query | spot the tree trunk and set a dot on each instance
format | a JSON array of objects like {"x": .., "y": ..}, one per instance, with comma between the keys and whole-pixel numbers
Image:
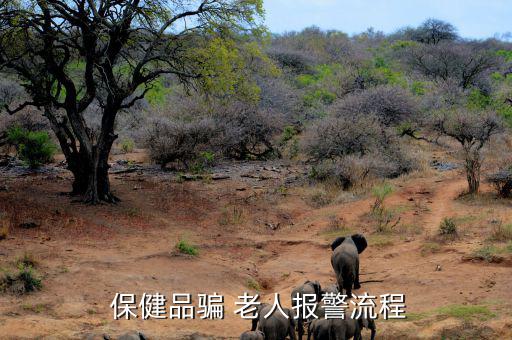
[
  {"x": 98, "y": 183},
  {"x": 473, "y": 172}
]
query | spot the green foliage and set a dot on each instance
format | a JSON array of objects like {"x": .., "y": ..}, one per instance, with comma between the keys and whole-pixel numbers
[
  {"x": 487, "y": 253},
  {"x": 448, "y": 227},
  {"x": 34, "y": 147},
  {"x": 380, "y": 192},
  {"x": 319, "y": 96},
  {"x": 157, "y": 95},
  {"x": 321, "y": 73},
  {"x": 391, "y": 77},
  {"x": 418, "y": 88},
  {"x": 184, "y": 247},
  {"x": 383, "y": 216},
  {"x": 227, "y": 68},
  {"x": 478, "y": 100},
  {"x": 23, "y": 281},
  {"x": 402, "y": 44},
  {"x": 205, "y": 160},
  {"x": 288, "y": 133},
  {"x": 127, "y": 145},
  {"x": 465, "y": 311},
  {"x": 506, "y": 54}
]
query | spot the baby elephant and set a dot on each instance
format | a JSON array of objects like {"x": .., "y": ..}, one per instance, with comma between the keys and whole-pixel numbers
[
  {"x": 310, "y": 288},
  {"x": 339, "y": 329},
  {"x": 276, "y": 326},
  {"x": 252, "y": 335},
  {"x": 345, "y": 261}
]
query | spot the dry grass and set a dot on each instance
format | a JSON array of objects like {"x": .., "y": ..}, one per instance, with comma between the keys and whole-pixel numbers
[{"x": 501, "y": 232}]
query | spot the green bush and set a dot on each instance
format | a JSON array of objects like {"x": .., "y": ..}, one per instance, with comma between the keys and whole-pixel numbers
[
  {"x": 127, "y": 145},
  {"x": 33, "y": 147},
  {"x": 448, "y": 227},
  {"x": 23, "y": 281},
  {"x": 185, "y": 247}
]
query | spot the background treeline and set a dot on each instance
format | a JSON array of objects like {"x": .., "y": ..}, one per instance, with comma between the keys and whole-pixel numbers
[{"x": 348, "y": 105}]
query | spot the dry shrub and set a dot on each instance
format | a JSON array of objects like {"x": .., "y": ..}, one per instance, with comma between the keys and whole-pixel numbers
[
  {"x": 501, "y": 232},
  {"x": 236, "y": 130},
  {"x": 247, "y": 133},
  {"x": 352, "y": 152},
  {"x": 169, "y": 141},
  {"x": 392, "y": 105},
  {"x": 29, "y": 119}
]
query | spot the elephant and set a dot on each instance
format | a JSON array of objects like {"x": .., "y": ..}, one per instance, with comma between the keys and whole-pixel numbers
[
  {"x": 319, "y": 329},
  {"x": 97, "y": 337},
  {"x": 252, "y": 335},
  {"x": 276, "y": 326},
  {"x": 308, "y": 287},
  {"x": 345, "y": 261},
  {"x": 133, "y": 336},
  {"x": 333, "y": 289},
  {"x": 341, "y": 329}
]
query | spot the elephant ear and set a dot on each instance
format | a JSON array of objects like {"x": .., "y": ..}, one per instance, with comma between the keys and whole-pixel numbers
[
  {"x": 360, "y": 242},
  {"x": 318, "y": 289},
  {"x": 337, "y": 242}
]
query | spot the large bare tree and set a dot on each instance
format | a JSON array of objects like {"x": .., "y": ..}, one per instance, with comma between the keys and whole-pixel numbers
[{"x": 73, "y": 54}]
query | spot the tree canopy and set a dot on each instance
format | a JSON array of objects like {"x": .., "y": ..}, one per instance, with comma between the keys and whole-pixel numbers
[{"x": 70, "y": 55}]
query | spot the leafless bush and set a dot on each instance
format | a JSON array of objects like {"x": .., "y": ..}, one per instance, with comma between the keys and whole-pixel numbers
[
  {"x": 465, "y": 62},
  {"x": 278, "y": 96},
  {"x": 296, "y": 61},
  {"x": 332, "y": 138},
  {"x": 390, "y": 104},
  {"x": 29, "y": 119},
  {"x": 444, "y": 94},
  {"x": 349, "y": 152},
  {"x": 247, "y": 133},
  {"x": 170, "y": 141}
]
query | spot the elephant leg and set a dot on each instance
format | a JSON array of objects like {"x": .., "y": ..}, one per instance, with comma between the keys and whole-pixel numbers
[
  {"x": 348, "y": 288},
  {"x": 291, "y": 332},
  {"x": 357, "y": 285},
  {"x": 339, "y": 281},
  {"x": 300, "y": 328}
]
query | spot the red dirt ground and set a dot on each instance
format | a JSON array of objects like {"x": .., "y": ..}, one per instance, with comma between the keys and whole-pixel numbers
[{"x": 86, "y": 254}]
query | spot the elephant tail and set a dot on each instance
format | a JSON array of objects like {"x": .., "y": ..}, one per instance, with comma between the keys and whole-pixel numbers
[{"x": 347, "y": 273}]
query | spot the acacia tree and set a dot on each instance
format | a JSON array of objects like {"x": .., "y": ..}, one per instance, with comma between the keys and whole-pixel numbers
[
  {"x": 432, "y": 31},
  {"x": 72, "y": 54},
  {"x": 472, "y": 130},
  {"x": 464, "y": 62}
]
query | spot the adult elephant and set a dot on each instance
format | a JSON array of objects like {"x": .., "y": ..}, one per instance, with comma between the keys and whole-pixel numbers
[
  {"x": 276, "y": 326},
  {"x": 345, "y": 261},
  {"x": 307, "y": 288},
  {"x": 341, "y": 329}
]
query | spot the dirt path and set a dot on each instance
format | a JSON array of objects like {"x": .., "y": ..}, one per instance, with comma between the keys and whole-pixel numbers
[{"x": 87, "y": 254}]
